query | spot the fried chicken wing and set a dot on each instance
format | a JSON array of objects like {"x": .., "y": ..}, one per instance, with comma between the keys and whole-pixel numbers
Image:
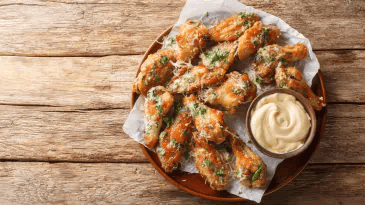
[
  {"x": 291, "y": 78},
  {"x": 270, "y": 57},
  {"x": 208, "y": 121},
  {"x": 220, "y": 56},
  {"x": 249, "y": 167},
  {"x": 233, "y": 27},
  {"x": 155, "y": 70},
  {"x": 256, "y": 37},
  {"x": 197, "y": 77},
  {"x": 174, "y": 141},
  {"x": 210, "y": 164},
  {"x": 236, "y": 90},
  {"x": 158, "y": 103},
  {"x": 191, "y": 40}
]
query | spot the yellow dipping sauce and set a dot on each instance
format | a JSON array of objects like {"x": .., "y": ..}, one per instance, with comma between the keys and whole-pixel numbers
[{"x": 280, "y": 123}]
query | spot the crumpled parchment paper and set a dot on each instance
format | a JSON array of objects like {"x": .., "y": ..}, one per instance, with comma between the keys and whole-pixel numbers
[{"x": 218, "y": 10}]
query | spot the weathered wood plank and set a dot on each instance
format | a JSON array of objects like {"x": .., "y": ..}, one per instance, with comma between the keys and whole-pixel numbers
[
  {"x": 52, "y": 134},
  {"x": 89, "y": 28},
  {"x": 68, "y": 183},
  {"x": 105, "y": 82}
]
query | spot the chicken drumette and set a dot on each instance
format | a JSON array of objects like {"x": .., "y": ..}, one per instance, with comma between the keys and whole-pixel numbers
[
  {"x": 155, "y": 70},
  {"x": 233, "y": 27},
  {"x": 256, "y": 37},
  {"x": 208, "y": 121},
  {"x": 249, "y": 167},
  {"x": 271, "y": 57},
  {"x": 236, "y": 90},
  {"x": 190, "y": 40},
  {"x": 220, "y": 56},
  {"x": 174, "y": 140},
  {"x": 209, "y": 162},
  {"x": 158, "y": 103},
  {"x": 292, "y": 78}
]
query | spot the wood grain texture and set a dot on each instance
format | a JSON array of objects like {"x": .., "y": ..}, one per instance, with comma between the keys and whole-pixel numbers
[
  {"x": 105, "y": 82},
  {"x": 73, "y": 183},
  {"x": 98, "y": 28},
  {"x": 57, "y": 134}
]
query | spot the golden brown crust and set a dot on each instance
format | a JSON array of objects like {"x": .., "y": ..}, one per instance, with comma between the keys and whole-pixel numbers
[
  {"x": 174, "y": 140},
  {"x": 191, "y": 40},
  {"x": 231, "y": 28},
  {"x": 211, "y": 166},
  {"x": 155, "y": 70},
  {"x": 236, "y": 90},
  {"x": 292, "y": 78}
]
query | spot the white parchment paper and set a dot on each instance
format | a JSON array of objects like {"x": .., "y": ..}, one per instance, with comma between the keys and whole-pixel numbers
[{"x": 218, "y": 10}]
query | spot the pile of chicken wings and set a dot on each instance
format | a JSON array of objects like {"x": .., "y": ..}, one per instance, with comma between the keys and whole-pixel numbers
[{"x": 185, "y": 104}]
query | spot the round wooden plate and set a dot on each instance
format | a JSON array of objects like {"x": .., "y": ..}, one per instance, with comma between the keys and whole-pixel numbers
[{"x": 285, "y": 172}]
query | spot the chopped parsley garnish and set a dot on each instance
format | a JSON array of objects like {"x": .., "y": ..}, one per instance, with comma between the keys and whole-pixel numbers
[
  {"x": 185, "y": 132},
  {"x": 220, "y": 173},
  {"x": 168, "y": 121},
  {"x": 159, "y": 109},
  {"x": 207, "y": 162},
  {"x": 259, "y": 81},
  {"x": 203, "y": 110},
  {"x": 177, "y": 107},
  {"x": 194, "y": 22},
  {"x": 157, "y": 78},
  {"x": 216, "y": 56},
  {"x": 164, "y": 134},
  {"x": 249, "y": 141},
  {"x": 189, "y": 79},
  {"x": 236, "y": 91},
  {"x": 146, "y": 83},
  {"x": 247, "y": 24},
  {"x": 268, "y": 60},
  {"x": 260, "y": 59},
  {"x": 176, "y": 144},
  {"x": 256, "y": 175},
  {"x": 150, "y": 72},
  {"x": 283, "y": 60},
  {"x": 225, "y": 111},
  {"x": 281, "y": 85},
  {"x": 206, "y": 14},
  {"x": 238, "y": 34},
  {"x": 244, "y": 14},
  {"x": 172, "y": 42},
  {"x": 255, "y": 43},
  {"x": 161, "y": 151},
  {"x": 164, "y": 60}
]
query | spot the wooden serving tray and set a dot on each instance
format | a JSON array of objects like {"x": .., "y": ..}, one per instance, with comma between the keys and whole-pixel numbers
[{"x": 285, "y": 172}]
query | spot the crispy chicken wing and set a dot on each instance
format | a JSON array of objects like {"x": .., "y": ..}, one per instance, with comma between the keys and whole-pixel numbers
[
  {"x": 250, "y": 169},
  {"x": 220, "y": 56},
  {"x": 210, "y": 164},
  {"x": 291, "y": 78},
  {"x": 233, "y": 27},
  {"x": 155, "y": 70},
  {"x": 208, "y": 121},
  {"x": 195, "y": 78},
  {"x": 191, "y": 40},
  {"x": 273, "y": 56},
  {"x": 158, "y": 103},
  {"x": 236, "y": 90},
  {"x": 256, "y": 37},
  {"x": 174, "y": 140}
]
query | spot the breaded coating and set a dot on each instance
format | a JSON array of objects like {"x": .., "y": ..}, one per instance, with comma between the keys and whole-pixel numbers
[
  {"x": 174, "y": 140},
  {"x": 249, "y": 167},
  {"x": 236, "y": 90},
  {"x": 256, "y": 37},
  {"x": 291, "y": 78},
  {"x": 208, "y": 121},
  {"x": 155, "y": 71},
  {"x": 158, "y": 103},
  {"x": 220, "y": 56},
  {"x": 231, "y": 28},
  {"x": 210, "y": 164},
  {"x": 271, "y": 57},
  {"x": 192, "y": 79},
  {"x": 191, "y": 40}
]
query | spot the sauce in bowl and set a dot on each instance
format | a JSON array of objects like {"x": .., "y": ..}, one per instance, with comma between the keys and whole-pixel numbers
[{"x": 279, "y": 123}]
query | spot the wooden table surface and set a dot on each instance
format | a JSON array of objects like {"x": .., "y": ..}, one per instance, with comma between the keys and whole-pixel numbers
[{"x": 67, "y": 68}]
